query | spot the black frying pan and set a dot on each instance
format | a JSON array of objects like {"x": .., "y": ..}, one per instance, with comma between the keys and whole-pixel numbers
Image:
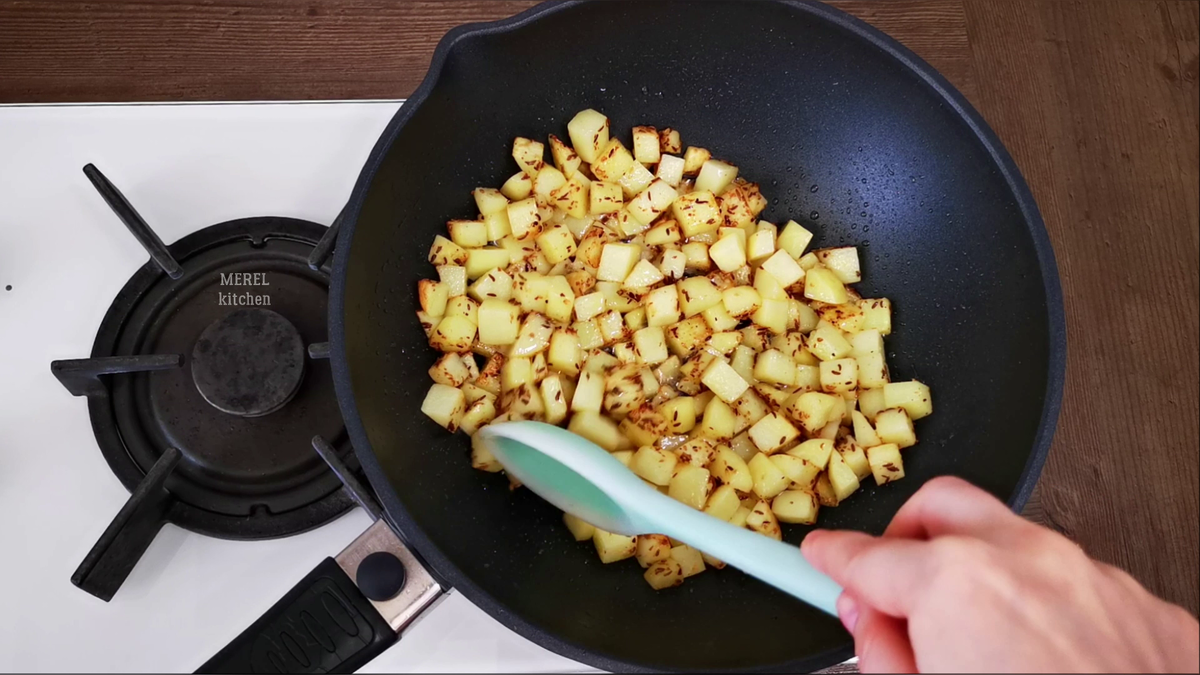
[{"x": 848, "y": 132}]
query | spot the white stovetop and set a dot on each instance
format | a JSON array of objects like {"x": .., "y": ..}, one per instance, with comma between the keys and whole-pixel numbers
[{"x": 66, "y": 255}]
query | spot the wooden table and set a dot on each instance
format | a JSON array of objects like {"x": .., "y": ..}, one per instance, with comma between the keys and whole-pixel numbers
[{"x": 1096, "y": 100}]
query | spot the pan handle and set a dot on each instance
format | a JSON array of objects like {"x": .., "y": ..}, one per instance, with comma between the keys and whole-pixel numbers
[{"x": 344, "y": 613}]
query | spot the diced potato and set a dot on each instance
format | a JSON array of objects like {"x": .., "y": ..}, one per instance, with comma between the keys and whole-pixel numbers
[
  {"x": 450, "y": 370},
  {"x": 553, "y": 399},
  {"x": 469, "y": 233},
  {"x": 433, "y": 296},
  {"x": 560, "y": 301},
  {"x": 775, "y": 397},
  {"x": 816, "y": 451},
  {"x": 863, "y": 431},
  {"x": 670, "y": 169},
  {"x": 664, "y": 574},
  {"x": 794, "y": 239},
  {"x": 870, "y": 402},
  {"x": 847, "y": 317},
  {"x": 580, "y": 529},
  {"x": 872, "y": 371},
  {"x": 796, "y": 506},
  {"x": 489, "y": 376},
  {"x": 473, "y": 392},
  {"x": 604, "y": 198},
  {"x": 478, "y": 414},
  {"x": 839, "y": 375},
  {"x": 613, "y": 547},
  {"x": 662, "y": 306},
  {"x": 775, "y": 367},
  {"x": 565, "y": 159},
  {"x": 768, "y": 286},
  {"x": 723, "y": 502},
  {"x": 729, "y": 253},
  {"x": 824, "y": 490},
  {"x": 823, "y": 285},
  {"x": 496, "y": 284},
  {"x": 762, "y": 520},
  {"x": 635, "y": 179},
  {"x": 652, "y": 548},
  {"x": 515, "y": 372},
  {"x": 612, "y": 327},
  {"x": 736, "y": 208},
  {"x": 854, "y": 455},
  {"x": 689, "y": 559},
  {"x": 743, "y": 362},
  {"x": 773, "y": 433},
  {"x": 651, "y": 345},
  {"x": 643, "y": 275},
  {"x": 588, "y": 131},
  {"x": 597, "y": 428},
  {"x": 623, "y": 390},
  {"x": 697, "y": 294},
  {"x": 913, "y": 396},
  {"x": 761, "y": 245},
  {"x": 614, "y": 159},
  {"x": 445, "y": 405},
  {"x": 841, "y": 477},
  {"x": 740, "y": 516},
  {"x": 652, "y": 201},
  {"x": 654, "y": 465},
  {"x": 668, "y": 140},
  {"x": 533, "y": 336},
  {"x": 530, "y": 155},
  {"x": 453, "y": 334},
  {"x": 715, "y": 176},
  {"x": 482, "y": 457},
  {"x": 894, "y": 426},
  {"x": 517, "y": 187},
  {"x": 446, "y": 252},
  {"x": 696, "y": 253},
  {"x": 801, "y": 472},
  {"x": 524, "y": 219},
  {"x": 644, "y": 426},
  {"x": 828, "y": 343},
  {"x": 680, "y": 414},
  {"x": 802, "y": 317},
  {"x": 718, "y": 421},
  {"x": 600, "y": 362},
  {"x": 617, "y": 261},
  {"x": 464, "y": 307},
  {"x": 498, "y": 322},
  {"x": 646, "y": 147},
  {"x": 687, "y": 336},
  {"x": 813, "y": 410},
  {"x": 877, "y": 314},
  {"x": 581, "y": 281},
  {"x": 842, "y": 261},
  {"x": 557, "y": 244},
  {"x": 589, "y": 306},
  {"x": 690, "y": 485},
  {"x": 589, "y": 393},
  {"x": 784, "y": 268},
  {"x": 768, "y": 479},
  {"x": 694, "y": 159},
  {"x": 772, "y": 315},
  {"x": 697, "y": 213},
  {"x": 724, "y": 381},
  {"x": 866, "y": 342},
  {"x": 886, "y": 464},
  {"x": 726, "y": 341},
  {"x": 635, "y": 319}
]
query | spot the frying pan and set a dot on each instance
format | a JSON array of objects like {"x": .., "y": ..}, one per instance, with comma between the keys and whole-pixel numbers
[{"x": 847, "y": 132}]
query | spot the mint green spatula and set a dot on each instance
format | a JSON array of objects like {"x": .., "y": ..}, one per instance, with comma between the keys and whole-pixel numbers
[{"x": 582, "y": 479}]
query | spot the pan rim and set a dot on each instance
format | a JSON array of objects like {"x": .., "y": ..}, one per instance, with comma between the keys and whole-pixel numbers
[{"x": 440, "y": 565}]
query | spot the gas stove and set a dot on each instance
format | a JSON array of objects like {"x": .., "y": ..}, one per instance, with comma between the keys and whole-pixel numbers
[{"x": 196, "y": 436}]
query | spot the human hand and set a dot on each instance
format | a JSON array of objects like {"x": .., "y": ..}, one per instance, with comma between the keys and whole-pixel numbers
[{"x": 958, "y": 583}]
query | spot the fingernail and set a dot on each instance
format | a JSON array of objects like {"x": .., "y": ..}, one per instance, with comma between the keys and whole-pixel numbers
[{"x": 847, "y": 608}]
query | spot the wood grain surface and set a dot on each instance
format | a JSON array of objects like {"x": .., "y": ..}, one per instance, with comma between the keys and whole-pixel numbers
[{"x": 1096, "y": 100}]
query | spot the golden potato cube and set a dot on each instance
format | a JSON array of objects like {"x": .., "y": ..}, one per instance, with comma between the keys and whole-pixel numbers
[
  {"x": 553, "y": 399},
  {"x": 652, "y": 548},
  {"x": 557, "y": 244},
  {"x": 841, "y": 477},
  {"x": 613, "y": 547},
  {"x": 842, "y": 261},
  {"x": 796, "y": 506},
  {"x": 597, "y": 428},
  {"x": 718, "y": 422},
  {"x": 823, "y": 285},
  {"x": 651, "y": 345},
  {"x": 482, "y": 457},
  {"x": 654, "y": 464},
  {"x": 847, "y": 317},
  {"x": 772, "y": 315},
  {"x": 589, "y": 306},
  {"x": 446, "y": 252},
  {"x": 468, "y": 233},
  {"x": 489, "y": 376},
  {"x": 480, "y": 261},
  {"x": 514, "y": 372},
  {"x": 495, "y": 284},
  {"x": 635, "y": 179},
  {"x": 613, "y": 161},
  {"x": 529, "y": 154},
  {"x": 877, "y": 314},
  {"x": 749, "y": 408},
  {"x": 646, "y": 148},
  {"x": 872, "y": 371},
  {"x": 801, "y": 317},
  {"x": 774, "y": 397},
  {"x": 800, "y": 472},
  {"x": 690, "y": 485},
  {"x": 450, "y": 370},
  {"x": 580, "y": 529},
  {"x": 740, "y": 516},
  {"x": 729, "y": 253},
  {"x": 784, "y": 268},
  {"x": 564, "y": 354},
  {"x": 870, "y": 402},
  {"x": 644, "y": 426},
  {"x": 694, "y": 159},
  {"x": 605, "y": 198},
  {"x": 652, "y": 201},
  {"x": 724, "y": 381},
  {"x": 524, "y": 219},
  {"x": 670, "y": 169},
  {"x": 680, "y": 414},
  {"x": 894, "y": 426},
  {"x": 433, "y": 296},
  {"x": 815, "y": 451},
  {"x": 546, "y": 186},
  {"x": 617, "y": 261},
  {"x": 768, "y": 479},
  {"x": 689, "y": 559},
  {"x": 808, "y": 261},
  {"x": 533, "y": 336},
  {"x": 668, "y": 140},
  {"x": 635, "y": 319},
  {"x": 813, "y": 410},
  {"x": 723, "y": 502},
  {"x": 696, "y": 253},
  {"x": 866, "y": 342},
  {"x": 560, "y": 304},
  {"x": 824, "y": 491},
  {"x": 864, "y": 432},
  {"x": 581, "y": 282},
  {"x": 743, "y": 362},
  {"x": 715, "y": 176},
  {"x": 588, "y": 131},
  {"x": 565, "y": 159},
  {"x": 445, "y": 405},
  {"x": 589, "y": 392},
  {"x": 854, "y": 455},
  {"x": 623, "y": 390},
  {"x": 498, "y": 322},
  {"x": 886, "y": 464},
  {"x": 478, "y": 414},
  {"x": 828, "y": 343},
  {"x": 839, "y": 375},
  {"x": 697, "y": 294},
  {"x": 623, "y": 456},
  {"x": 612, "y": 327},
  {"x": 517, "y": 187},
  {"x": 773, "y": 433},
  {"x": 572, "y": 198},
  {"x": 794, "y": 239},
  {"x": 697, "y": 213},
  {"x": 643, "y": 275},
  {"x": 741, "y": 301},
  {"x": 664, "y": 574},
  {"x": 913, "y": 396},
  {"x": 762, "y": 520},
  {"x": 687, "y": 336},
  {"x": 775, "y": 367},
  {"x": 453, "y": 334},
  {"x": 725, "y": 341}
]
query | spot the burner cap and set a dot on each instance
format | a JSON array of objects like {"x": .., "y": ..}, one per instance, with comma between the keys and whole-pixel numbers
[{"x": 248, "y": 363}]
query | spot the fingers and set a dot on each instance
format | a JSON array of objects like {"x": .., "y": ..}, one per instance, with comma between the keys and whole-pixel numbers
[
  {"x": 887, "y": 574},
  {"x": 880, "y": 641},
  {"x": 951, "y": 506}
]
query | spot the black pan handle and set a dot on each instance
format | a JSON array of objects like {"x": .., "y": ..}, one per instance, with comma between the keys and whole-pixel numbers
[{"x": 344, "y": 613}]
